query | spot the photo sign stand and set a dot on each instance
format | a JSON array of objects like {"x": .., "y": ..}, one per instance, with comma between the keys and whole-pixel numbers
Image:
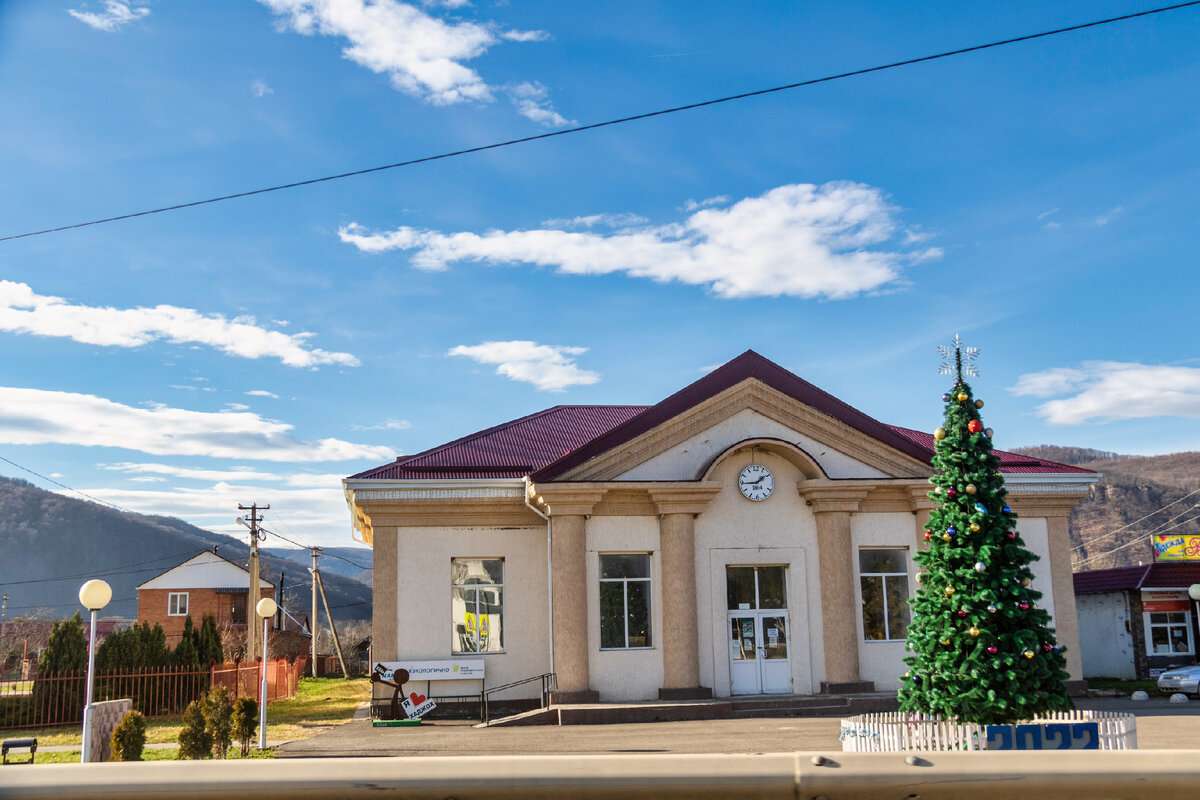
[{"x": 414, "y": 706}]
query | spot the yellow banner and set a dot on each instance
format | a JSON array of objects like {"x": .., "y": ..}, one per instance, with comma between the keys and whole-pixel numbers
[{"x": 1176, "y": 548}]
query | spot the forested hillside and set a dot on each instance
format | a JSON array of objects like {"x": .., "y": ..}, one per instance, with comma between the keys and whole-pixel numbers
[
  {"x": 50, "y": 544},
  {"x": 1137, "y": 496}
]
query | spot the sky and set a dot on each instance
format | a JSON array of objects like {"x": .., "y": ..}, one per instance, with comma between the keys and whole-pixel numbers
[{"x": 1038, "y": 199}]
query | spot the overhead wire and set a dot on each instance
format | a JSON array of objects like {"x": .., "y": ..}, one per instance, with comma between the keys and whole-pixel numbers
[
  {"x": 611, "y": 122},
  {"x": 1135, "y": 522},
  {"x": 76, "y": 491},
  {"x": 1141, "y": 538}
]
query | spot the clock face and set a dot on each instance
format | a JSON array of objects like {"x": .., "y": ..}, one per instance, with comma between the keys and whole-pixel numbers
[{"x": 756, "y": 482}]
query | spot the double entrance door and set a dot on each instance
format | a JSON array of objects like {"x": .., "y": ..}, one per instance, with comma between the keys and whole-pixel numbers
[{"x": 758, "y": 630}]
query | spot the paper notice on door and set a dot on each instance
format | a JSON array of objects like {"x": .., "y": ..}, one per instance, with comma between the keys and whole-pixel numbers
[{"x": 773, "y": 636}]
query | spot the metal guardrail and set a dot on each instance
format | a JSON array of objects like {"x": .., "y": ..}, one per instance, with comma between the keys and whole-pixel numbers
[
  {"x": 549, "y": 684},
  {"x": 1071, "y": 775}
]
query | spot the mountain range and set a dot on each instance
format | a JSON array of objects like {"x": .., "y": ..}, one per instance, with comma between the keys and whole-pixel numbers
[
  {"x": 1136, "y": 497},
  {"x": 50, "y": 544}
]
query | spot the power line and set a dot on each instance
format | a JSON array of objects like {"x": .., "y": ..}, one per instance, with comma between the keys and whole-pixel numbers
[
  {"x": 123, "y": 570},
  {"x": 76, "y": 491},
  {"x": 607, "y": 123},
  {"x": 1135, "y": 522},
  {"x": 1146, "y": 536}
]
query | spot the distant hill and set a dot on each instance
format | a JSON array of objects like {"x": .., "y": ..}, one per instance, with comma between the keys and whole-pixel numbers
[
  {"x": 51, "y": 544},
  {"x": 1145, "y": 493}
]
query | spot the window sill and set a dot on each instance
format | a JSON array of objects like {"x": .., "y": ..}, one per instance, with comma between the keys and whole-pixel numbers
[{"x": 625, "y": 649}]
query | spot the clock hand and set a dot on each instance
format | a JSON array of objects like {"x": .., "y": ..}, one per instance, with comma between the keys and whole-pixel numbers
[{"x": 751, "y": 483}]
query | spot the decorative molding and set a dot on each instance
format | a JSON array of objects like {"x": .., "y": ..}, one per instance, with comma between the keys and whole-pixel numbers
[
  {"x": 825, "y": 495},
  {"x": 684, "y": 499},
  {"x": 754, "y": 395},
  {"x": 567, "y": 499},
  {"x": 458, "y": 493}
]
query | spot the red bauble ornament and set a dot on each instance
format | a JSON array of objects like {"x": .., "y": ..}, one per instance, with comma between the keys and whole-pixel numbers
[
  {"x": 962, "y": 612},
  {"x": 927, "y": 536},
  {"x": 974, "y": 426},
  {"x": 993, "y": 649},
  {"x": 952, "y": 492},
  {"x": 1024, "y": 606}
]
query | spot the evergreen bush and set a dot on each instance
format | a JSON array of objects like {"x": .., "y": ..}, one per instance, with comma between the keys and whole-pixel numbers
[
  {"x": 245, "y": 722},
  {"x": 218, "y": 719},
  {"x": 195, "y": 741},
  {"x": 129, "y": 738}
]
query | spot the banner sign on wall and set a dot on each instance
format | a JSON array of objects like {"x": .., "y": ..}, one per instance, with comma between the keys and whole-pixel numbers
[
  {"x": 1176, "y": 548},
  {"x": 449, "y": 670}
]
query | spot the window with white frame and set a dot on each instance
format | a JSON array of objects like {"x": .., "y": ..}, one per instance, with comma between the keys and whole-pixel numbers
[
  {"x": 624, "y": 601},
  {"x": 477, "y": 605},
  {"x": 1168, "y": 633},
  {"x": 177, "y": 604},
  {"x": 883, "y": 582}
]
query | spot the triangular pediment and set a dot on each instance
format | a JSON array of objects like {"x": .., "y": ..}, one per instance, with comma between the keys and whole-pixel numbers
[
  {"x": 204, "y": 571},
  {"x": 748, "y": 398}
]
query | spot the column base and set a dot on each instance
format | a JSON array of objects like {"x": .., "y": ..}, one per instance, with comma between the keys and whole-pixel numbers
[
  {"x": 847, "y": 687},
  {"x": 1076, "y": 688},
  {"x": 691, "y": 693},
  {"x": 574, "y": 698}
]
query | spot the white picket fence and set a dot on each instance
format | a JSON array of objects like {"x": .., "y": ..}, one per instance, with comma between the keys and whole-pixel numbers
[{"x": 900, "y": 732}]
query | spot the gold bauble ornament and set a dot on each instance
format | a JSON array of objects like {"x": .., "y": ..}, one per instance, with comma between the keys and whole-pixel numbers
[
  {"x": 974, "y": 527},
  {"x": 962, "y": 397},
  {"x": 973, "y": 631},
  {"x": 946, "y": 537},
  {"x": 1025, "y": 581},
  {"x": 946, "y": 642},
  {"x": 971, "y": 488},
  {"x": 949, "y": 590},
  {"x": 939, "y": 434},
  {"x": 1029, "y": 654},
  {"x": 979, "y": 404}
]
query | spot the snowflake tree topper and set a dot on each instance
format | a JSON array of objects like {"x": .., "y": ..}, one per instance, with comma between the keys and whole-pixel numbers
[{"x": 958, "y": 360}]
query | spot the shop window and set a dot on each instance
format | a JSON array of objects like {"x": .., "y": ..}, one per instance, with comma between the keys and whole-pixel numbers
[
  {"x": 624, "y": 601},
  {"x": 177, "y": 604},
  {"x": 477, "y": 603},
  {"x": 1167, "y": 633},
  {"x": 883, "y": 581}
]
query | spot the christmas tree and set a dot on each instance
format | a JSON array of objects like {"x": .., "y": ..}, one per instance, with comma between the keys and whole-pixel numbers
[{"x": 980, "y": 649}]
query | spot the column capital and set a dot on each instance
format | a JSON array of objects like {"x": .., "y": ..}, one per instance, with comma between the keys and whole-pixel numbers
[
  {"x": 566, "y": 499},
  {"x": 684, "y": 499},
  {"x": 824, "y": 495},
  {"x": 918, "y": 498}
]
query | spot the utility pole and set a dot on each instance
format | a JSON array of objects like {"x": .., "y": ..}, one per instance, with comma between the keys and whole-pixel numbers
[
  {"x": 3, "y": 618},
  {"x": 313, "y": 625},
  {"x": 253, "y": 620}
]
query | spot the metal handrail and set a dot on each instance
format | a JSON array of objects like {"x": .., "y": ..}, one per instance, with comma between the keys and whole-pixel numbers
[{"x": 549, "y": 684}]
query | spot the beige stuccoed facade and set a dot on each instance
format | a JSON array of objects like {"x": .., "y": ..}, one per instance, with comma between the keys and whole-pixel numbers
[{"x": 672, "y": 493}]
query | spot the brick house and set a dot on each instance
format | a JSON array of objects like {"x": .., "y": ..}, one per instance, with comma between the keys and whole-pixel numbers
[{"x": 204, "y": 584}]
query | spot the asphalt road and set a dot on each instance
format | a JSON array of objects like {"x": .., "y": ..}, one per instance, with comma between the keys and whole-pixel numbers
[{"x": 1161, "y": 726}]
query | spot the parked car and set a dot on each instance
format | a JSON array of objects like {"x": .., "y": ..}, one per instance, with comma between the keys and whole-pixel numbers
[{"x": 1181, "y": 679}]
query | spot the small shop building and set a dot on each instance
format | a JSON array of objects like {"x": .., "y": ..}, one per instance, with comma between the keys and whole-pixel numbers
[
  {"x": 1137, "y": 622},
  {"x": 748, "y": 535}
]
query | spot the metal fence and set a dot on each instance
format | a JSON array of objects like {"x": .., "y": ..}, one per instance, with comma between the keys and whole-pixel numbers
[
  {"x": 58, "y": 699},
  {"x": 897, "y": 731}
]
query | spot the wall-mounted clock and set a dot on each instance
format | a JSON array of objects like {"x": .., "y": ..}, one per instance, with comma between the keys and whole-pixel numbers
[{"x": 756, "y": 482}]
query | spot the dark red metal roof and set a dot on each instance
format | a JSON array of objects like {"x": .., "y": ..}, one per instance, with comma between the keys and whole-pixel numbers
[
  {"x": 1014, "y": 463},
  {"x": 511, "y": 450},
  {"x": 1157, "y": 575},
  {"x": 549, "y": 443}
]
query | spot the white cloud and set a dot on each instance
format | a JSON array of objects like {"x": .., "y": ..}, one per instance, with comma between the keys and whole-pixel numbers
[
  {"x": 24, "y": 311},
  {"x": 259, "y": 88},
  {"x": 1106, "y": 391},
  {"x": 1045, "y": 214},
  {"x": 148, "y": 479},
  {"x": 550, "y": 368},
  {"x": 1109, "y": 216},
  {"x": 530, "y": 100},
  {"x": 35, "y": 416},
  {"x": 389, "y": 425},
  {"x": 422, "y": 55},
  {"x": 616, "y": 221},
  {"x": 116, "y": 14},
  {"x": 692, "y": 205},
  {"x": 189, "y": 473},
  {"x": 311, "y": 515},
  {"x": 798, "y": 240},
  {"x": 262, "y": 393}
]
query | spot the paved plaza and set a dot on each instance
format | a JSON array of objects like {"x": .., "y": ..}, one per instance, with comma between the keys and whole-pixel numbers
[{"x": 1160, "y": 725}]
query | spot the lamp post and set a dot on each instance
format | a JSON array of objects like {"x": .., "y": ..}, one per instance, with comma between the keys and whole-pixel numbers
[
  {"x": 94, "y": 595},
  {"x": 266, "y": 609}
]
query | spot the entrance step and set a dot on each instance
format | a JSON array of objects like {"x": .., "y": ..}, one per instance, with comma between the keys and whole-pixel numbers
[
  {"x": 539, "y": 716},
  {"x": 792, "y": 706}
]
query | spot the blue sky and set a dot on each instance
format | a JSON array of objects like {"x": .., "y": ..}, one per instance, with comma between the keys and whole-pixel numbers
[{"x": 1039, "y": 199}]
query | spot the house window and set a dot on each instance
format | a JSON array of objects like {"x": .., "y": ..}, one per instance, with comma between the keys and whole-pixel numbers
[
  {"x": 177, "y": 604},
  {"x": 477, "y": 603},
  {"x": 624, "y": 601},
  {"x": 1167, "y": 633},
  {"x": 883, "y": 580}
]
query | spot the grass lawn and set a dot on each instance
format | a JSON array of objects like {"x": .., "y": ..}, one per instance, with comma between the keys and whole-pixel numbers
[{"x": 319, "y": 704}]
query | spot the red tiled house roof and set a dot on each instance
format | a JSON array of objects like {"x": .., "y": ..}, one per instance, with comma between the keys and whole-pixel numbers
[
  {"x": 1158, "y": 575},
  {"x": 549, "y": 443}
]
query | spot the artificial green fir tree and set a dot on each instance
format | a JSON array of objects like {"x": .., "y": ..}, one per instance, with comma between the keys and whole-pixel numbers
[{"x": 980, "y": 649}]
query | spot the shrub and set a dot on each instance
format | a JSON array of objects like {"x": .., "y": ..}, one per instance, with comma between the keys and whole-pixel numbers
[
  {"x": 58, "y": 692},
  {"x": 245, "y": 722},
  {"x": 129, "y": 738},
  {"x": 194, "y": 739},
  {"x": 218, "y": 719}
]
